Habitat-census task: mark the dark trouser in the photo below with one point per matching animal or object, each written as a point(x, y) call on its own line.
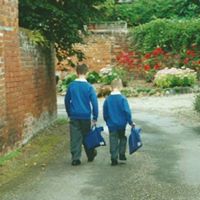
point(118, 142)
point(78, 130)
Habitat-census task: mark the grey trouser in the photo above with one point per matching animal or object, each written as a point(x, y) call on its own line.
point(78, 130)
point(118, 142)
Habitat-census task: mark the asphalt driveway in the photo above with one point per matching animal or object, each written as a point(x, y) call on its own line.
point(165, 168)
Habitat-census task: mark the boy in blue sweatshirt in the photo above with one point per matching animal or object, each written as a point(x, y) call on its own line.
point(116, 113)
point(81, 103)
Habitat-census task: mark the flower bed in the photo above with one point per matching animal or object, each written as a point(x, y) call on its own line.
point(169, 78)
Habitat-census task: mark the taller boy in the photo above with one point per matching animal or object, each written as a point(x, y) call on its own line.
point(81, 104)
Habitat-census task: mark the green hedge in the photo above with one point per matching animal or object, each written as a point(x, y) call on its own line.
point(143, 11)
point(171, 35)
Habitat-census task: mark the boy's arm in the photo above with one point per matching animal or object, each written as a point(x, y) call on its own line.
point(105, 111)
point(128, 112)
point(67, 101)
point(94, 102)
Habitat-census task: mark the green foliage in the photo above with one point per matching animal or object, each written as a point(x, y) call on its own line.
point(116, 72)
point(108, 78)
point(149, 76)
point(169, 78)
point(35, 37)
point(197, 103)
point(9, 156)
point(67, 80)
point(141, 91)
point(93, 77)
point(61, 121)
point(122, 74)
point(143, 11)
point(59, 21)
point(171, 35)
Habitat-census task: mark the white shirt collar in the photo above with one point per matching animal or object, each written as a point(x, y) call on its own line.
point(81, 79)
point(115, 92)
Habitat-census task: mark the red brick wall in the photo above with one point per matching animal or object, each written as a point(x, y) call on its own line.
point(9, 62)
point(38, 88)
point(101, 49)
point(27, 82)
point(2, 91)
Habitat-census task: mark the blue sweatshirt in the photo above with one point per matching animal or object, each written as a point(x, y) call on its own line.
point(81, 100)
point(116, 112)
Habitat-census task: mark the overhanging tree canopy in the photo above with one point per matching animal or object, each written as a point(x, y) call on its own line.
point(60, 21)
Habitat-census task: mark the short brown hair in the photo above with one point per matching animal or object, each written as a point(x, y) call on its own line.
point(81, 69)
point(117, 83)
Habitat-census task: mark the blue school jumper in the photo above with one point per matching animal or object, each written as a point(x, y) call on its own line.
point(116, 112)
point(78, 99)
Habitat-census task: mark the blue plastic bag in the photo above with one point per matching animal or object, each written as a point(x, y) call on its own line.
point(94, 138)
point(135, 141)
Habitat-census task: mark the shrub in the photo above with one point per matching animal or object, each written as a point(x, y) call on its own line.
point(67, 80)
point(108, 75)
point(93, 77)
point(149, 77)
point(197, 103)
point(168, 78)
point(170, 35)
point(143, 11)
point(106, 79)
point(123, 74)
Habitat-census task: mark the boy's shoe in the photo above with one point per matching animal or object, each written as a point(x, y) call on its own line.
point(114, 162)
point(76, 162)
point(90, 159)
point(122, 157)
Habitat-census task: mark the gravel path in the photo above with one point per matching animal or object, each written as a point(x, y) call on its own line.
point(179, 106)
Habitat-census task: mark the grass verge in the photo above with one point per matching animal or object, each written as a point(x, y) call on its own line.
point(42, 148)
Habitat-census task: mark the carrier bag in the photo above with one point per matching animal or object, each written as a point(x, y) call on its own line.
point(135, 141)
point(94, 138)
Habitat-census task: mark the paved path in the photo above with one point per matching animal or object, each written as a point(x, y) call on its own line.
point(165, 168)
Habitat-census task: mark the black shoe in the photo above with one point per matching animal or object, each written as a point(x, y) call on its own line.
point(76, 162)
point(122, 157)
point(114, 162)
point(90, 159)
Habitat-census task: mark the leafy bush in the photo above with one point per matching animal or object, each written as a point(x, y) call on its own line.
point(93, 77)
point(108, 75)
point(67, 80)
point(143, 11)
point(169, 78)
point(197, 103)
point(123, 74)
point(170, 35)
point(149, 77)
point(106, 79)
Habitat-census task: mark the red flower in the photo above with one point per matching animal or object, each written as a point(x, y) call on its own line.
point(131, 53)
point(199, 62)
point(157, 66)
point(147, 67)
point(148, 55)
point(186, 61)
point(190, 53)
point(158, 51)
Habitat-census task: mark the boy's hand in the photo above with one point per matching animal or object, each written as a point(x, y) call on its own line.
point(133, 125)
point(93, 123)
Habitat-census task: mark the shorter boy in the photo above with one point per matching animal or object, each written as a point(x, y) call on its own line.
point(116, 113)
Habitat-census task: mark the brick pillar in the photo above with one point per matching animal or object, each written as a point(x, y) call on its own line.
point(10, 85)
point(2, 92)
